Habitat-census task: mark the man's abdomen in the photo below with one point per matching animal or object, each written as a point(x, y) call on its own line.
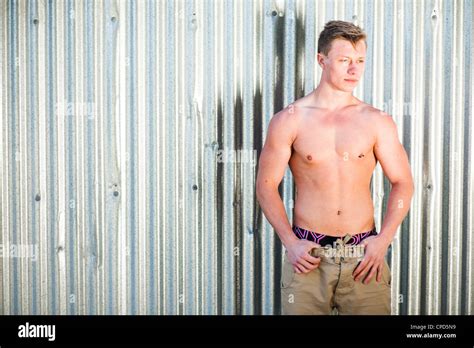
point(334, 215)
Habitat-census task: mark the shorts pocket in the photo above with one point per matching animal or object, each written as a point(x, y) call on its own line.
point(287, 274)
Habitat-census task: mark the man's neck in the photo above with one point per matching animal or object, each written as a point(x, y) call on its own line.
point(324, 96)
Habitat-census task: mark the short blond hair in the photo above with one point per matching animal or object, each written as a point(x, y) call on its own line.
point(339, 30)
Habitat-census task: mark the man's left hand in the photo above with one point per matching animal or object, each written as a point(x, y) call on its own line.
point(373, 261)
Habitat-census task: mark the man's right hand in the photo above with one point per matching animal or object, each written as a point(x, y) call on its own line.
point(298, 255)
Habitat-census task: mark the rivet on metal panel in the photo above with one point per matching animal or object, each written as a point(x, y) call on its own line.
point(193, 24)
point(195, 187)
point(37, 198)
point(116, 193)
point(35, 21)
point(113, 19)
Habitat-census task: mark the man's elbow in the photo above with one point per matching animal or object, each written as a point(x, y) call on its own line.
point(406, 185)
point(260, 192)
point(263, 189)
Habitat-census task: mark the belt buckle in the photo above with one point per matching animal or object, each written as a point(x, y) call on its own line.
point(338, 248)
point(347, 237)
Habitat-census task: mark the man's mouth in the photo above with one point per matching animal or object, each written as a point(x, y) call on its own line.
point(350, 80)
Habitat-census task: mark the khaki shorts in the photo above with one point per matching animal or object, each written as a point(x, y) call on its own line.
point(331, 289)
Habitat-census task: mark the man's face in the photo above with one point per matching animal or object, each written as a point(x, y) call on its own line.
point(344, 65)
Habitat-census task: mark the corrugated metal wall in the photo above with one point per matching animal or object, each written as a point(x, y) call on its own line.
point(130, 131)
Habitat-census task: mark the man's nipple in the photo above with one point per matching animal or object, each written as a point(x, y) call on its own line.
point(309, 157)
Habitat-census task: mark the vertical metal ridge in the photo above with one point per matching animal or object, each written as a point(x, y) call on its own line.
point(22, 158)
point(195, 160)
point(111, 190)
point(455, 162)
point(151, 149)
point(33, 169)
point(237, 114)
point(260, 262)
point(191, 126)
point(4, 187)
point(415, 237)
point(12, 268)
point(79, 297)
point(71, 156)
point(123, 64)
point(267, 239)
point(103, 295)
point(247, 250)
point(142, 138)
point(162, 107)
point(51, 203)
point(469, 192)
point(206, 61)
point(170, 162)
point(431, 244)
point(443, 238)
point(43, 159)
point(199, 26)
point(91, 252)
point(228, 91)
point(61, 159)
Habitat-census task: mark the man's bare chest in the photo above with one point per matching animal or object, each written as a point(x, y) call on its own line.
point(343, 141)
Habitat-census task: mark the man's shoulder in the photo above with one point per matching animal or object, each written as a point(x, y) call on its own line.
point(283, 125)
point(377, 117)
point(369, 110)
point(288, 116)
point(381, 121)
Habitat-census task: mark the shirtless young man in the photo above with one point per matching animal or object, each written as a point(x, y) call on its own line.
point(332, 142)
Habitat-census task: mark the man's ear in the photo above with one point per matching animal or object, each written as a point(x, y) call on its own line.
point(321, 58)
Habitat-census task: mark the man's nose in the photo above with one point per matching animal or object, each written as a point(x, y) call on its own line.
point(352, 70)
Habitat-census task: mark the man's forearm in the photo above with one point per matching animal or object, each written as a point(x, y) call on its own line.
point(274, 210)
point(398, 205)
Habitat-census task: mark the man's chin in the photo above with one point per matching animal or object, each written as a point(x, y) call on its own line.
point(347, 89)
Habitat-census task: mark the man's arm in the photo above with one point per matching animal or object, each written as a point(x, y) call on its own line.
point(273, 160)
point(394, 161)
point(395, 165)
